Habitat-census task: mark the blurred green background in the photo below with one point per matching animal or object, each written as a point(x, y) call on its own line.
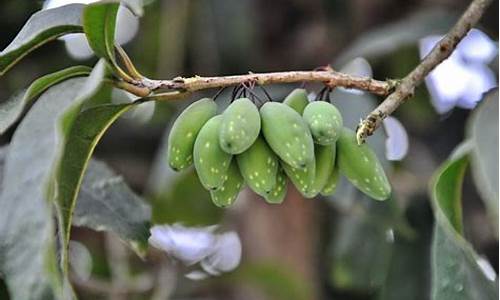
point(347, 247)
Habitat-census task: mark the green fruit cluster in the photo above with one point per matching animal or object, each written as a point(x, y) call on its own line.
point(298, 140)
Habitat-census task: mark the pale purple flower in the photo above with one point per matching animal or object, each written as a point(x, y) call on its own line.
point(464, 76)
point(216, 253)
point(396, 144)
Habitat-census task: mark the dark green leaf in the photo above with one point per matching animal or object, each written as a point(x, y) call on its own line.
point(106, 203)
point(483, 132)
point(455, 270)
point(11, 110)
point(42, 27)
point(87, 129)
point(99, 23)
point(27, 242)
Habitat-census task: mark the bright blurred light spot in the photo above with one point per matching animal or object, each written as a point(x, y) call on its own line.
point(396, 144)
point(357, 67)
point(464, 76)
point(215, 252)
point(487, 269)
point(77, 45)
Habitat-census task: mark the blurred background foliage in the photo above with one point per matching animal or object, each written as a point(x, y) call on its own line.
point(346, 247)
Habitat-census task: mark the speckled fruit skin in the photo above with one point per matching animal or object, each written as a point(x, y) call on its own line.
point(278, 193)
point(287, 134)
point(325, 161)
point(240, 126)
point(361, 166)
point(210, 161)
point(297, 100)
point(185, 130)
point(228, 192)
point(259, 166)
point(331, 184)
point(324, 120)
point(302, 179)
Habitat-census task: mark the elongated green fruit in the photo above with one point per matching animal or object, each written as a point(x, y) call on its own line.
point(361, 166)
point(297, 100)
point(331, 184)
point(325, 161)
point(210, 161)
point(278, 193)
point(240, 126)
point(259, 166)
point(287, 134)
point(185, 130)
point(324, 120)
point(302, 179)
point(228, 192)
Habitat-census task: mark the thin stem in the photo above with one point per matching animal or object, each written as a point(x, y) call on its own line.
point(330, 77)
point(438, 54)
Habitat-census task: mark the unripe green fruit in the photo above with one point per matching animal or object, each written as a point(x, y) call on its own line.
point(324, 120)
point(325, 161)
point(240, 126)
point(278, 193)
point(210, 161)
point(331, 184)
point(361, 166)
point(185, 130)
point(259, 166)
point(228, 192)
point(297, 100)
point(302, 179)
point(287, 134)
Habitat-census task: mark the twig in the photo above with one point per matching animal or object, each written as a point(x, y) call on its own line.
point(439, 53)
point(329, 77)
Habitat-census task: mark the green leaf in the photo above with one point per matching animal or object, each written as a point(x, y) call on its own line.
point(42, 27)
point(99, 23)
point(106, 203)
point(455, 270)
point(482, 129)
point(28, 258)
point(27, 232)
point(86, 131)
point(11, 110)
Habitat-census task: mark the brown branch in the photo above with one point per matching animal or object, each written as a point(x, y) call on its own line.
point(329, 77)
point(437, 55)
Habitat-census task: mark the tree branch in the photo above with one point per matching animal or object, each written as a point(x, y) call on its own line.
point(329, 77)
point(438, 54)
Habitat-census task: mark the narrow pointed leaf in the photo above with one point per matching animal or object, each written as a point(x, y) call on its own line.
point(87, 129)
point(99, 23)
point(42, 27)
point(455, 271)
point(12, 109)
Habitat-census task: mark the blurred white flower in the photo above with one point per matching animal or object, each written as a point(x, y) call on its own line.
point(80, 260)
point(357, 67)
point(77, 45)
point(464, 76)
point(396, 144)
point(215, 252)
